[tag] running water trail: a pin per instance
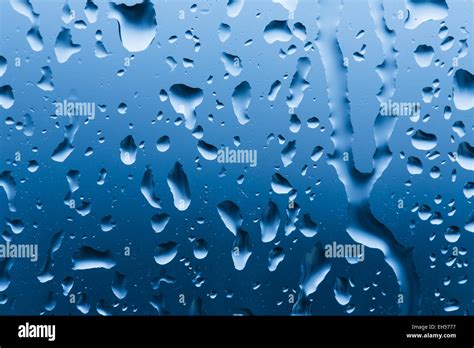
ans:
(364, 227)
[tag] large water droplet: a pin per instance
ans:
(159, 222)
(241, 250)
(5, 279)
(224, 32)
(118, 286)
(234, 7)
(3, 65)
(270, 222)
(423, 141)
(34, 38)
(200, 249)
(280, 185)
(341, 291)
(414, 165)
(185, 100)
(232, 64)
(277, 31)
(207, 151)
(241, 98)
(452, 234)
(46, 81)
(91, 11)
(230, 215)
(163, 143)
(314, 269)
(276, 256)
(64, 48)
(424, 55)
(308, 228)
(88, 258)
(420, 11)
(147, 188)
(288, 152)
(465, 156)
(6, 97)
(274, 89)
(62, 151)
(179, 187)
(137, 24)
(463, 90)
(451, 305)
(128, 150)
(166, 252)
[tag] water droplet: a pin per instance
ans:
(341, 291)
(452, 234)
(64, 48)
(276, 256)
(163, 143)
(118, 286)
(6, 97)
(128, 150)
(224, 32)
(317, 153)
(62, 151)
(137, 24)
(270, 222)
(274, 89)
(463, 85)
(185, 100)
(309, 228)
(469, 226)
(289, 5)
(277, 31)
(241, 250)
(3, 66)
(232, 64)
(159, 222)
(230, 215)
(465, 157)
(5, 279)
(200, 249)
(241, 98)
(423, 141)
(234, 7)
(46, 81)
(179, 187)
(451, 306)
(107, 224)
(423, 11)
(122, 108)
(424, 55)
(91, 10)
(88, 258)
(147, 188)
(166, 252)
(298, 83)
(280, 185)
(208, 151)
(288, 153)
(83, 304)
(314, 269)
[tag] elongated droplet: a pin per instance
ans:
(179, 187)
